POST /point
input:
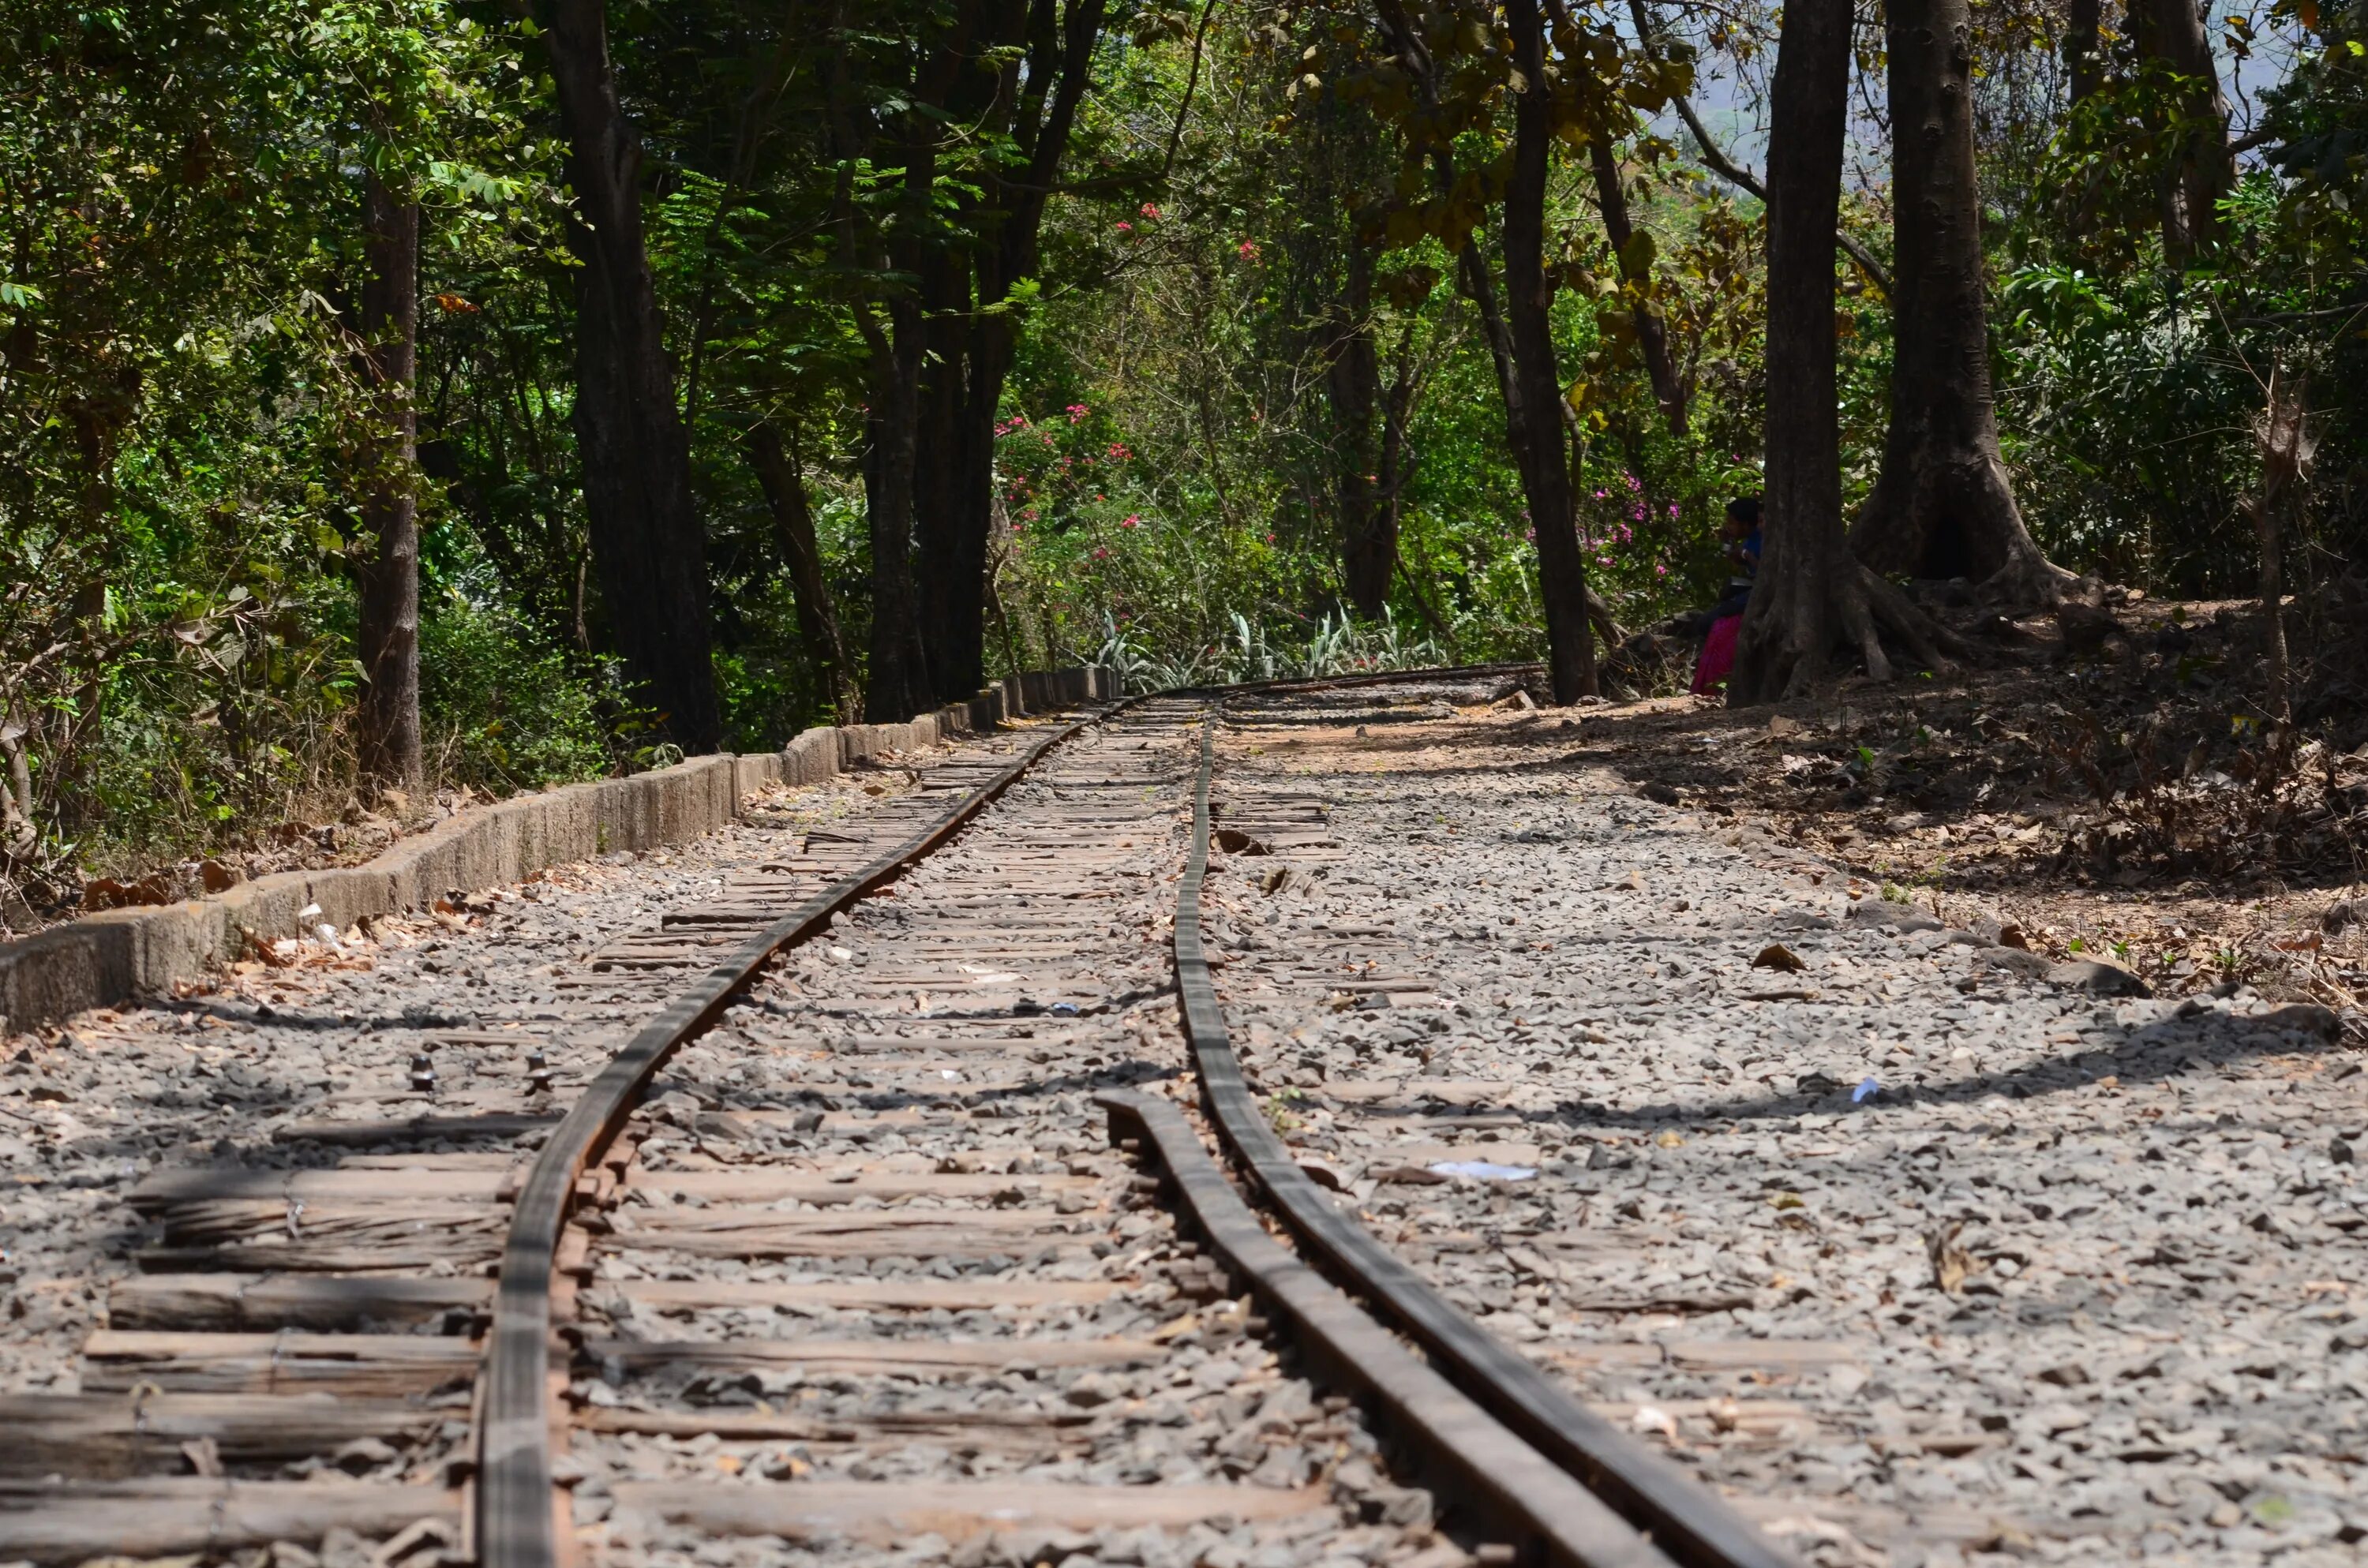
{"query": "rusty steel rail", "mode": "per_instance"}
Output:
(1683, 1518)
(1555, 1520)
(516, 1518)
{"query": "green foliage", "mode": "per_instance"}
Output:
(499, 711)
(1248, 195)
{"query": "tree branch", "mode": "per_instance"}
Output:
(1714, 158)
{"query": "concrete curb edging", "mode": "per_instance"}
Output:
(104, 958)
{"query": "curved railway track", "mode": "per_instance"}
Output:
(896, 1228)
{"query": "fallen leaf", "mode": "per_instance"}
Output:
(1776, 955)
(1951, 1262)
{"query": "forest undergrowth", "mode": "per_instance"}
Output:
(2102, 786)
(1193, 347)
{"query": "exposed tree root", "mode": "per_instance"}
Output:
(1781, 656)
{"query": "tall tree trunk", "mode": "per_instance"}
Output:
(2288, 450)
(2084, 48)
(783, 478)
(387, 749)
(647, 541)
(2173, 32)
(1943, 506)
(1652, 336)
(950, 550)
(896, 682)
(1397, 467)
(1812, 595)
(1545, 482)
(1474, 280)
(1044, 104)
(1352, 384)
(948, 596)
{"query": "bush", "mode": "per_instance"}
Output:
(499, 711)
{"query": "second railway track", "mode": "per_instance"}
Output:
(905, 1244)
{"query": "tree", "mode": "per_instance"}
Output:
(1444, 100)
(1944, 505)
(1352, 384)
(647, 541)
(1034, 113)
(1537, 416)
(387, 749)
(1611, 201)
(2170, 33)
(1812, 593)
(2084, 50)
(783, 479)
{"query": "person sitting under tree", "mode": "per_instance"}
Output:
(1740, 537)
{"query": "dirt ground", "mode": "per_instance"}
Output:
(2111, 785)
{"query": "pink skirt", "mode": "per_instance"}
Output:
(1717, 655)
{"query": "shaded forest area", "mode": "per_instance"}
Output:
(414, 400)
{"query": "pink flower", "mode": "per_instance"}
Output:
(1101, 552)
(1118, 451)
(1659, 570)
(1270, 539)
(1634, 483)
(1602, 495)
(1673, 508)
(1151, 210)
(1125, 228)
(1247, 250)
(1134, 520)
(1078, 412)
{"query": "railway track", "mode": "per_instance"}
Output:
(891, 1234)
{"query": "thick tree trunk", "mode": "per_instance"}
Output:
(1652, 338)
(387, 748)
(896, 682)
(2084, 48)
(1536, 417)
(1812, 595)
(1043, 108)
(783, 479)
(1944, 505)
(949, 596)
(647, 541)
(948, 544)
(2173, 32)
(1352, 382)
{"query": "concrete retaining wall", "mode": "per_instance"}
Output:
(114, 956)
